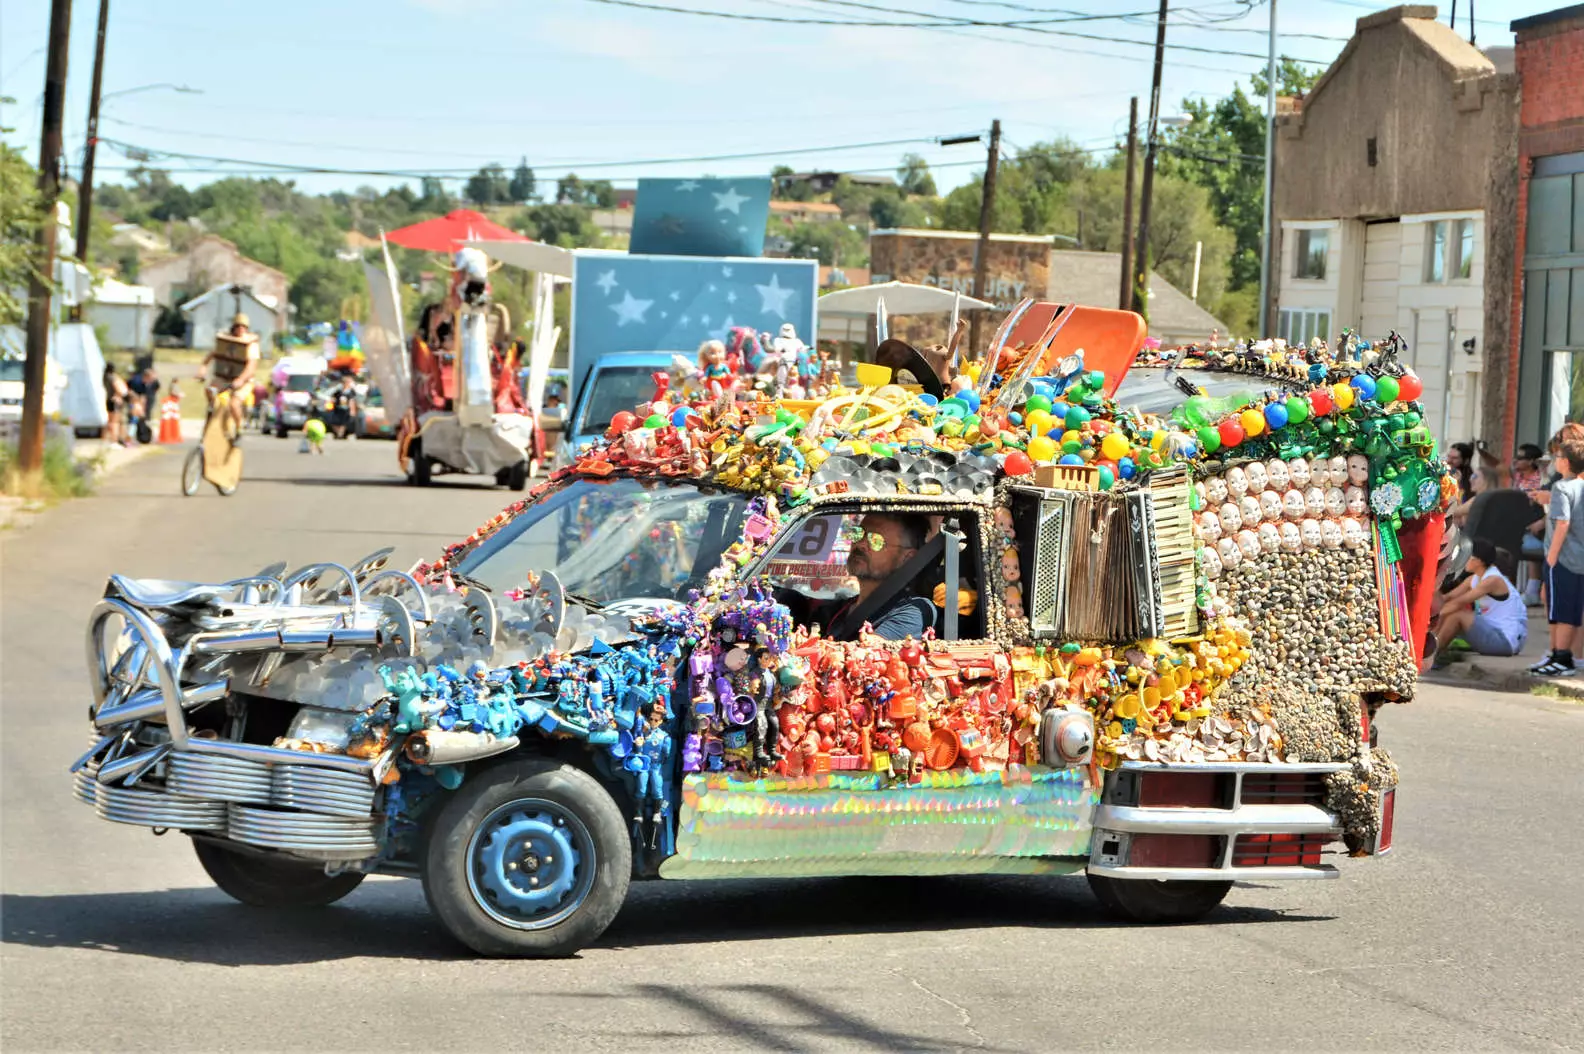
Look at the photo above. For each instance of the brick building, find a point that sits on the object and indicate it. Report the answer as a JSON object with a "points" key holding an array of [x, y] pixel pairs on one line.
{"points": [[1547, 347]]}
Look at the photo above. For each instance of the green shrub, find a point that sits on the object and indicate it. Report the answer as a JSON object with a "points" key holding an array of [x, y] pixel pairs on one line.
{"points": [[65, 474]]}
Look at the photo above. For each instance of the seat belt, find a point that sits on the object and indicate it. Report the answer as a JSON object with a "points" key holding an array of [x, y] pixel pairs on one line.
{"points": [[890, 588]]}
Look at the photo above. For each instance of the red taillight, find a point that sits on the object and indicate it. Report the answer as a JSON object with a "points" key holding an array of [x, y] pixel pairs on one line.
{"points": [[1182, 790], [1364, 724], [1278, 850], [1388, 814], [1175, 850]]}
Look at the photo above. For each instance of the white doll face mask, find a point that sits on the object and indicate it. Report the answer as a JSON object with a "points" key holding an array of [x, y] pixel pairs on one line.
{"points": [[1269, 538], [1298, 472], [1314, 501], [1352, 533], [1354, 497], [1215, 490], [1338, 471], [1249, 543], [1249, 507], [1309, 530], [1270, 505], [1210, 560], [1236, 482], [1293, 506], [1229, 552], [1254, 472], [1231, 518], [1291, 539], [1357, 469], [1330, 534], [1276, 472], [1209, 527], [1335, 502]]}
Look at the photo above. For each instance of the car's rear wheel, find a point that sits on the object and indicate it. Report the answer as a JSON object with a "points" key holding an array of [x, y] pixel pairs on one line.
{"points": [[1142, 900], [273, 883], [528, 858], [517, 476], [421, 471]]}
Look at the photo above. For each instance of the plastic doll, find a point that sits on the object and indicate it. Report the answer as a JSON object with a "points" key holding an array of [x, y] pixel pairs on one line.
{"points": [[712, 365], [413, 712]]}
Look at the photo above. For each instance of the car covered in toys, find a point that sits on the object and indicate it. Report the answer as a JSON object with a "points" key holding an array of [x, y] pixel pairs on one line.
{"points": [[996, 623]]}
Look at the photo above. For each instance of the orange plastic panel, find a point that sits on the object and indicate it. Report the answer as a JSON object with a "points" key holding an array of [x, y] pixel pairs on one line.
{"points": [[1110, 339]]}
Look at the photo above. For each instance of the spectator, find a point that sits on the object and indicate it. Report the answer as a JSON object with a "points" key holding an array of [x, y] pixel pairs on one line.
{"points": [[1526, 473], [1486, 478], [144, 400], [1565, 562], [1460, 459], [1484, 609], [116, 394]]}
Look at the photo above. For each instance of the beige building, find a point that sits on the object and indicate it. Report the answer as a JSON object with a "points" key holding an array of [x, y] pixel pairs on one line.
{"points": [[1395, 204], [213, 261]]}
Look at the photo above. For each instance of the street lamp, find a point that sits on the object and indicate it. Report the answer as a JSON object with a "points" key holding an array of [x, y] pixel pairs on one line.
{"points": [[85, 190]]}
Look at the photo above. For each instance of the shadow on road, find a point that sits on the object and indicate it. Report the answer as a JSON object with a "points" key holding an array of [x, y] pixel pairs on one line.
{"points": [[370, 481], [386, 919]]}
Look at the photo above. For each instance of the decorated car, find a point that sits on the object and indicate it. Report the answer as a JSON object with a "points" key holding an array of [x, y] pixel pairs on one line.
{"points": [[1028, 617]]}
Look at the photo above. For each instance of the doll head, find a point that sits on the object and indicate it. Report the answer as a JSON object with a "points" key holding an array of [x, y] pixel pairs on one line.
{"points": [[1210, 561], [1276, 472], [1270, 505], [1355, 500], [1309, 531], [1314, 502], [1215, 490], [1269, 538], [1293, 506], [1335, 502], [1330, 534], [1209, 526], [1010, 571], [1298, 472], [1254, 472], [1291, 538], [1236, 482], [1231, 518], [1227, 549], [1357, 469]]}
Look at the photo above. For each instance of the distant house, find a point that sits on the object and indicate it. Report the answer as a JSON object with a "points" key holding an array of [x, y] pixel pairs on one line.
{"points": [[790, 212], [842, 277], [1093, 280], [126, 311], [212, 312], [212, 261]]}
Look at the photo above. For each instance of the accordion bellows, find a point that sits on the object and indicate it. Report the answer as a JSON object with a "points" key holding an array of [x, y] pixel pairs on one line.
{"points": [[1109, 566]]}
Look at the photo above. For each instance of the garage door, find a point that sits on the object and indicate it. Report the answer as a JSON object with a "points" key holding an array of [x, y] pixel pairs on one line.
{"points": [[1382, 261], [1551, 362]]}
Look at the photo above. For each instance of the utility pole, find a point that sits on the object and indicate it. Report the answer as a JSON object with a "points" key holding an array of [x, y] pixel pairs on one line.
{"points": [[1125, 297], [1141, 265], [85, 190], [1267, 247], [41, 283], [986, 215]]}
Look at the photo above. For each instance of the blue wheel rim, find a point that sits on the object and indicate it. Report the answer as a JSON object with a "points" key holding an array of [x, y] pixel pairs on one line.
{"points": [[530, 864]]}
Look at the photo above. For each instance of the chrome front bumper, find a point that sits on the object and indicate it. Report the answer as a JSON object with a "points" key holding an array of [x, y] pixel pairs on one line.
{"points": [[1116, 826]]}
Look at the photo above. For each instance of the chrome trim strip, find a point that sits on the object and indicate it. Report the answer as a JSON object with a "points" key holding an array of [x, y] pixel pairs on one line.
{"points": [[1251, 768], [277, 756], [1217, 874], [1245, 819]]}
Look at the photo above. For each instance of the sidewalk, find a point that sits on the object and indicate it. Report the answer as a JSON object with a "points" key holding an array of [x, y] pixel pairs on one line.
{"points": [[1511, 673], [15, 512]]}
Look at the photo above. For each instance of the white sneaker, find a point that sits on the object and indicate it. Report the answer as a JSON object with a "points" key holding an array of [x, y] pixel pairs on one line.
{"points": [[1532, 594], [1544, 662]]}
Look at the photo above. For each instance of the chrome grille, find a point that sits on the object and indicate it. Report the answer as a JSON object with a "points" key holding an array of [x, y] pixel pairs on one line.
{"points": [[215, 777], [327, 837], [150, 808], [322, 791]]}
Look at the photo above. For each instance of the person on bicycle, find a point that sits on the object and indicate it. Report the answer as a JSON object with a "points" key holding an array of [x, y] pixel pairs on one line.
{"points": [[231, 366]]}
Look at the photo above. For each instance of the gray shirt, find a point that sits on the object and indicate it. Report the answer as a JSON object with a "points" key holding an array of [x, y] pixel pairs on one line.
{"points": [[1567, 503]]}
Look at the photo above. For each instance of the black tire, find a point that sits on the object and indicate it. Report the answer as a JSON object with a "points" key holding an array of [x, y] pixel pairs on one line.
{"points": [[192, 471], [1142, 900], [273, 883], [505, 801], [517, 476]]}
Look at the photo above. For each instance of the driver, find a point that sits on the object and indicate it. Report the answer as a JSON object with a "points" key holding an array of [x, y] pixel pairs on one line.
{"points": [[881, 544]]}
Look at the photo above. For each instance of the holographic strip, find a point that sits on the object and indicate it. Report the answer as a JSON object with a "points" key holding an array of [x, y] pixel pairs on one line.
{"points": [[854, 824]]}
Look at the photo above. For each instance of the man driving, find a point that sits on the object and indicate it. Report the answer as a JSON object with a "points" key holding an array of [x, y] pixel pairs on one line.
{"points": [[881, 544]]}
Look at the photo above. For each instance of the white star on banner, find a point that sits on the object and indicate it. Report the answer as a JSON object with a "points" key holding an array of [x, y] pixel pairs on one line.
{"points": [[675, 295], [741, 229], [731, 298], [726, 272], [684, 320], [607, 282], [688, 185], [704, 319], [773, 298], [728, 324], [630, 309], [731, 201], [712, 287]]}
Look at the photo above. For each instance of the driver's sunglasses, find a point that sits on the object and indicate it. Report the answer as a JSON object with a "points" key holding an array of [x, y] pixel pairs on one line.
{"points": [[854, 533]]}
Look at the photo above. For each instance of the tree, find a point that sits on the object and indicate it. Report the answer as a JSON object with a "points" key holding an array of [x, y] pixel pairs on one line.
{"points": [[488, 186], [913, 174], [568, 226], [433, 197], [522, 184], [320, 291], [833, 244], [19, 221]]}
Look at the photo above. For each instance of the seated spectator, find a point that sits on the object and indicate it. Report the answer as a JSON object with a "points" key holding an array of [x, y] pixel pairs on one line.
{"points": [[1460, 459], [1485, 609]]}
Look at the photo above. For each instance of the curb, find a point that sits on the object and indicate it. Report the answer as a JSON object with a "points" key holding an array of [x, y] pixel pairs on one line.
{"points": [[1472, 674], [18, 512]]}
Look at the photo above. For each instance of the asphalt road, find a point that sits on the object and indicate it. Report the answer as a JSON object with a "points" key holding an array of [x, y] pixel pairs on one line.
{"points": [[1471, 935]]}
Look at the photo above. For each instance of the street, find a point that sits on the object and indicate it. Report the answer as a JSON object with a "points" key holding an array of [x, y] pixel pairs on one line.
{"points": [[1470, 935]]}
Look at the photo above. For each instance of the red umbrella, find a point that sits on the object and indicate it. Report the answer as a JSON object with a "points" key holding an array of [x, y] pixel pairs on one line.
{"points": [[446, 233]]}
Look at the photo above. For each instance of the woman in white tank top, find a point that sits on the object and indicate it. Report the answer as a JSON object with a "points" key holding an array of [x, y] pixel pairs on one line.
{"points": [[1486, 609]]}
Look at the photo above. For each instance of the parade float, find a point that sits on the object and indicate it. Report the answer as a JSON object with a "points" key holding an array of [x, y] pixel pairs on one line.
{"points": [[1161, 642]]}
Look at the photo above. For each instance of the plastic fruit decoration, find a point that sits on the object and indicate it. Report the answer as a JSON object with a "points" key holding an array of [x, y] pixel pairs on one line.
{"points": [[1343, 394], [1041, 449], [1275, 416], [1231, 432], [621, 421], [1018, 464], [1387, 390], [1321, 402], [1364, 384], [1297, 410], [1115, 446], [1209, 438], [1253, 422], [1409, 386]]}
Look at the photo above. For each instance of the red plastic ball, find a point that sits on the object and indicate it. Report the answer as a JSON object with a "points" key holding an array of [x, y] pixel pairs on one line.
{"points": [[1231, 432], [1321, 402], [621, 421], [1409, 387], [1018, 463]]}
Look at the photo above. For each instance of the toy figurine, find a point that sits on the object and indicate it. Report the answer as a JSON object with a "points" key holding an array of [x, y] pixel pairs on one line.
{"points": [[413, 711], [369, 733], [649, 763]]}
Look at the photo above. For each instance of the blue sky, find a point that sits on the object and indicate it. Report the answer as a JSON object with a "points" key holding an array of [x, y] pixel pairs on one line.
{"points": [[441, 85]]}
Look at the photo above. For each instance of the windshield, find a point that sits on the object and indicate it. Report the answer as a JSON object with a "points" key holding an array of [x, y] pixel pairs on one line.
{"points": [[301, 382], [10, 369], [615, 388], [616, 539], [1151, 389]]}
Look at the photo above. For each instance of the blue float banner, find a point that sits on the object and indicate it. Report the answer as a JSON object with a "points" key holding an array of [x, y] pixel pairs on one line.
{"points": [[675, 303], [701, 217]]}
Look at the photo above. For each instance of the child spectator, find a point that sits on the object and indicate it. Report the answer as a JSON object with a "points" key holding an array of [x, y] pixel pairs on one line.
{"points": [[1565, 562], [1485, 609]]}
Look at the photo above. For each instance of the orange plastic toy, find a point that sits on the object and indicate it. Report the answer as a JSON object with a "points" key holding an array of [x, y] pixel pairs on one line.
{"points": [[1110, 339]]}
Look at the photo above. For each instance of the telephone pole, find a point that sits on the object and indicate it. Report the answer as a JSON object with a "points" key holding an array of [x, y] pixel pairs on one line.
{"points": [[30, 446], [986, 215], [1141, 264], [85, 191], [1125, 297], [1268, 239]]}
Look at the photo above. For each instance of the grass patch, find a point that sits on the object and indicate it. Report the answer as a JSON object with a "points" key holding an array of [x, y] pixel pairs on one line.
{"points": [[65, 475]]}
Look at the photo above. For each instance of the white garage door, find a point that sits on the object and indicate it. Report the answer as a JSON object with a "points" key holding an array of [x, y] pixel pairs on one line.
{"points": [[1382, 263]]}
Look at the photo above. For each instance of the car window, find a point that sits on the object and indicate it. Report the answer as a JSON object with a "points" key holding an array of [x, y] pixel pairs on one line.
{"points": [[1154, 390], [11, 369], [614, 388]]}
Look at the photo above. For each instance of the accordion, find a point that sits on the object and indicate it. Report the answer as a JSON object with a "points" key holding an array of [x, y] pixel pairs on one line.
{"points": [[1103, 566]]}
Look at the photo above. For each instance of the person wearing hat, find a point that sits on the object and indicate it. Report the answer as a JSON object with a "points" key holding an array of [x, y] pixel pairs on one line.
{"points": [[231, 366]]}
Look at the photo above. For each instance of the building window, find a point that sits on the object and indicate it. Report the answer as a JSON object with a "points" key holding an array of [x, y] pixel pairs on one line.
{"points": [[1436, 252], [1301, 325], [1463, 245], [1312, 247]]}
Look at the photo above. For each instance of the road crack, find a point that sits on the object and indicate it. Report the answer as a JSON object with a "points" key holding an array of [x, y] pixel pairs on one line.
{"points": [[962, 1011]]}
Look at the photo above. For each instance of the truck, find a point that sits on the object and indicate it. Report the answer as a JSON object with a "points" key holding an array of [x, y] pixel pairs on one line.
{"points": [[1164, 666]]}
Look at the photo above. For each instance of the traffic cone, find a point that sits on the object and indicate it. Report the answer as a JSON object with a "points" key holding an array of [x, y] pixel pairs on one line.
{"points": [[170, 419]]}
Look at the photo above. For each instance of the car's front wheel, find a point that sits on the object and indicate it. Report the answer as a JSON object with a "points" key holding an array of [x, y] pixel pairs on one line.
{"points": [[273, 883], [529, 858], [1143, 900]]}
